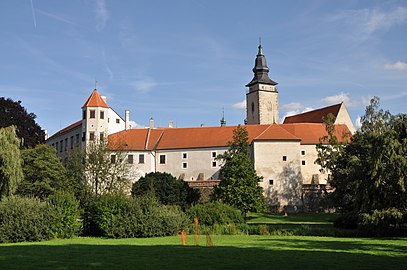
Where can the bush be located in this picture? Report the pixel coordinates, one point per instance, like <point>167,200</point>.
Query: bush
<point>381,222</point>
<point>67,222</point>
<point>168,189</point>
<point>215,213</point>
<point>117,216</point>
<point>347,221</point>
<point>25,219</point>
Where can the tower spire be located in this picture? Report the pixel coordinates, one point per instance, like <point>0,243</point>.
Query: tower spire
<point>261,69</point>
<point>223,121</point>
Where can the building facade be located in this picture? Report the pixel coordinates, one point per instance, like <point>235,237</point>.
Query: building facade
<point>283,154</point>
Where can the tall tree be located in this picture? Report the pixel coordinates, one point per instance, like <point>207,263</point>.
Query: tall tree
<point>11,173</point>
<point>239,186</point>
<point>167,188</point>
<point>371,171</point>
<point>13,113</point>
<point>106,170</point>
<point>44,173</point>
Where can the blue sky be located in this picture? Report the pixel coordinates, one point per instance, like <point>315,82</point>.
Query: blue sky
<point>185,60</point>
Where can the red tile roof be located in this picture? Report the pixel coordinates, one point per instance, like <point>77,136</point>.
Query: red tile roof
<point>203,137</point>
<point>310,133</point>
<point>95,100</point>
<point>68,128</point>
<point>313,116</point>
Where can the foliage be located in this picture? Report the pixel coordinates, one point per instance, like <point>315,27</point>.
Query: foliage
<point>66,222</point>
<point>12,113</point>
<point>239,184</point>
<point>76,180</point>
<point>43,171</point>
<point>371,172</point>
<point>381,222</point>
<point>118,216</point>
<point>11,172</point>
<point>168,189</point>
<point>104,173</point>
<point>25,219</point>
<point>215,213</point>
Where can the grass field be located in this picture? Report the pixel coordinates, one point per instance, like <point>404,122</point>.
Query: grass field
<point>228,252</point>
<point>303,218</point>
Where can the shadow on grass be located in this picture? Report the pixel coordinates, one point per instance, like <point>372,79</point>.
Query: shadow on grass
<point>273,253</point>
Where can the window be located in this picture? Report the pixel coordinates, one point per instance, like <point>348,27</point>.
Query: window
<point>303,152</point>
<point>56,146</point>
<point>284,158</point>
<point>214,164</point>
<point>117,121</point>
<point>113,159</point>
<point>130,159</point>
<point>84,114</point>
<point>303,162</point>
<point>71,142</point>
<point>162,159</point>
<point>61,146</point>
<point>141,159</point>
<point>184,165</point>
<point>252,106</point>
<point>271,182</point>
<point>77,138</point>
<point>83,136</point>
<point>214,154</point>
<point>101,136</point>
<point>102,115</point>
<point>91,136</point>
<point>184,155</point>
<point>92,114</point>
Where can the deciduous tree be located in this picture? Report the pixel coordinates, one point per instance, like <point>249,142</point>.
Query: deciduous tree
<point>239,186</point>
<point>13,113</point>
<point>11,173</point>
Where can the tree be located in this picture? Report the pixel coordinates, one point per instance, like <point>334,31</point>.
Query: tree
<point>370,172</point>
<point>44,173</point>
<point>11,172</point>
<point>167,189</point>
<point>12,113</point>
<point>239,182</point>
<point>106,171</point>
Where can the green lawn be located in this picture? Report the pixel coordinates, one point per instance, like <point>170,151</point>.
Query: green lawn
<point>229,252</point>
<point>303,218</point>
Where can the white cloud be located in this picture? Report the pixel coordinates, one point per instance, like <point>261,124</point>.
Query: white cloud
<point>240,105</point>
<point>133,124</point>
<point>358,122</point>
<point>335,99</point>
<point>101,13</point>
<point>144,85</point>
<point>363,23</point>
<point>399,66</point>
<point>293,106</point>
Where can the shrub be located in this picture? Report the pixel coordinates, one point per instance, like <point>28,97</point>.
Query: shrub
<point>117,216</point>
<point>67,222</point>
<point>381,222</point>
<point>347,221</point>
<point>215,213</point>
<point>25,219</point>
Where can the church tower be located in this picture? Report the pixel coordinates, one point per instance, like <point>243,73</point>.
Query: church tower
<point>262,98</point>
<point>94,119</point>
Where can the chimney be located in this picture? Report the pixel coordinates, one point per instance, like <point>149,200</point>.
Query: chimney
<point>171,124</point>
<point>151,123</point>
<point>104,98</point>
<point>126,120</point>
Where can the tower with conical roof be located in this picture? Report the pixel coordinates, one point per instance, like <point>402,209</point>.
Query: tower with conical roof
<point>94,118</point>
<point>262,98</point>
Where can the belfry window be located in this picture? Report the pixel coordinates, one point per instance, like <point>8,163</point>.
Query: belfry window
<point>252,106</point>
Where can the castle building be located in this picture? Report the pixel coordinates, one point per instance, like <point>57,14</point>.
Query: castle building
<point>283,154</point>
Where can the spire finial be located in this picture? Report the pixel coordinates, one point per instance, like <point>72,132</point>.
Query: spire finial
<point>223,121</point>
<point>96,83</point>
<point>260,48</point>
